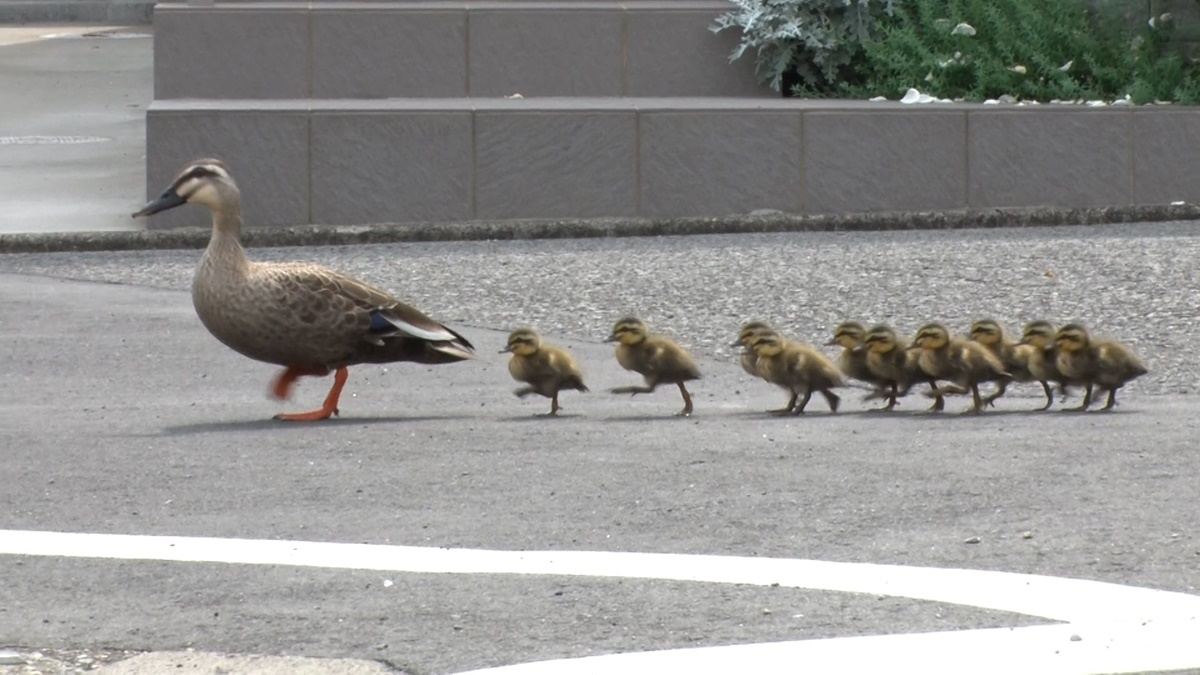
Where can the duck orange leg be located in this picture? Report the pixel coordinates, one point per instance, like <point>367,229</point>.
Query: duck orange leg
<point>283,387</point>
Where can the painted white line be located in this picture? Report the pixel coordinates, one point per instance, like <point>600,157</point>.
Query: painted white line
<point>1127,625</point>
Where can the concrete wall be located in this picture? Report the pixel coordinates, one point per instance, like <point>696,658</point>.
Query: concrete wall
<point>454,159</point>
<point>364,112</point>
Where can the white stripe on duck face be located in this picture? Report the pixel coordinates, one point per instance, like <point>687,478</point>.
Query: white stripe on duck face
<point>1108,627</point>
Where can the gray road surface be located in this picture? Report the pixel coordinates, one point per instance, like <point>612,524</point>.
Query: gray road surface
<point>120,414</point>
<point>72,127</point>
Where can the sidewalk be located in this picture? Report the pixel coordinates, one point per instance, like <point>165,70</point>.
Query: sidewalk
<point>72,126</point>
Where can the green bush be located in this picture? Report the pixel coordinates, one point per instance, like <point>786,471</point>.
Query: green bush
<point>1030,49</point>
<point>814,39</point>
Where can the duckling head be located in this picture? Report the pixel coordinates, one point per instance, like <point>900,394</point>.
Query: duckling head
<point>1071,338</point>
<point>986,332</point>
<point>1040,334</point>
<point>932,336</point>
<point>748,331</point>
<point>881,339</point>
<point>849,335</point>
<point>204,181</point>
<point>523,342</point>
<point>766,344</point>
<point>629,331</point>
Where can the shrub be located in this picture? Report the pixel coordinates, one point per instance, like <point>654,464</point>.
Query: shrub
<point>815,39</point>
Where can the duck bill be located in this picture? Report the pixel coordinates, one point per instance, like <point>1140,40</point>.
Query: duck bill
<point>832,342</point>
<point>167,200</point>
<point>506,350</point>
<point>611,338</point>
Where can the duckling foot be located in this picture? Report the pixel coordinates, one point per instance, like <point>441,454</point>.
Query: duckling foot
<point>328,409</point>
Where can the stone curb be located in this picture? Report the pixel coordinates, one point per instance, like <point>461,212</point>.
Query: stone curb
<point>338,235</point>
<point>76,11</point>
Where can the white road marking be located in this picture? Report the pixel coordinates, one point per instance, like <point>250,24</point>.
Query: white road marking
<point>1109,627</point>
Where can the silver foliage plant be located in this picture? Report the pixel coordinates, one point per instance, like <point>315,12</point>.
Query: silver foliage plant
<point>816,37</point>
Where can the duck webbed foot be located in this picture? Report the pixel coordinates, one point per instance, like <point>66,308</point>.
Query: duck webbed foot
<point>327,409</point>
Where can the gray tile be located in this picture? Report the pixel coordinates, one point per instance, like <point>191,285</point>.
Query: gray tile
<point>231,53</point>
<point>1066,158</point>
<point>672,53</point>
<point>267,154</point>
<point>545,53</point>
<point>884,161</point>
<point>391,167</point>
<point>550,165</point>
<point>716,163</point>
<point>1165,147</point>
<point>361,53</point>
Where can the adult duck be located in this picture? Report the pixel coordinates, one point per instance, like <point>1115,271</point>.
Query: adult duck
<point>305,317</point>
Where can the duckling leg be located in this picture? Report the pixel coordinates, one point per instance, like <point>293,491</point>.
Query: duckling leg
<point>687,401</point>
<point>1049,395</point>
<point>832,399</point>
<point>1087,400</point>
<point>1001,387</point>
<point>522,392</point>
<point>1112,399</point>
<point>892,396</point>
<point>328,408</point>
<point>554,405</point>
<point>939,401</point>
<point>978,400</point>
<point>791,405</point>
<point>803,401</point>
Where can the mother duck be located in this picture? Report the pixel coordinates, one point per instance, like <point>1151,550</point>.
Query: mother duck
<point>305,317</point>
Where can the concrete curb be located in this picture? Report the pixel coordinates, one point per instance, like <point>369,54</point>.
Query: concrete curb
<point>76,11</point>
<point>338,235</point>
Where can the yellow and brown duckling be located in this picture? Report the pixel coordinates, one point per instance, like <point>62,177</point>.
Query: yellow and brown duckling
<point>961,362</point>
<point>890,363</point>
<point>990,334</point>
<point>658,359</point>
<point>853,359</point>
<point>546,368</point>
<point>1037,352</point>
<point>1102,364</point>
<point>798,368</point>
<point>747,359</point>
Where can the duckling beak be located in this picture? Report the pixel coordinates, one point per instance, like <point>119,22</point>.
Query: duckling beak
<point>611,338</point>
<point>505,350</point>
<point>167,200</point>
<point>832,342</point>
<point>737,344</point>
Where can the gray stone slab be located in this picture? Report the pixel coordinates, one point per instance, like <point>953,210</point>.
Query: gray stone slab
<point>545,52</point>
<point>1165,144</point>
<point>268,154</point>
<point>856,161</point>
<point>389,53</point>
<point>1068,158</point>
<point>549,165</point>
<point>672,53</point>
<point>234,53</point>
<point>378,168</point>
<point>715,163</point>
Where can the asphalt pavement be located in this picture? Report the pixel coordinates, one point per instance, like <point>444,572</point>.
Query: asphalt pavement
<point>122,415</point>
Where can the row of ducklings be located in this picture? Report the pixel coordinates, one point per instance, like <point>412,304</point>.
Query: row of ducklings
<point>877,356</point>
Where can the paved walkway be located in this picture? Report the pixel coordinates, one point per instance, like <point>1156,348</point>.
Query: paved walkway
<point>72,126</point>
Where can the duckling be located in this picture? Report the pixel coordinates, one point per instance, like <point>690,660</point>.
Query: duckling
<point>747,359</point>
<point>1103,364</point>
<point>988,333</point>
<point>1037,352</point>
<point>547,368</point>
<point>890,363</point>
<point>853,360</point>
<point>657,358</point>
<point>305,317</point>
<point>797,367</point>
<point>962,362</point>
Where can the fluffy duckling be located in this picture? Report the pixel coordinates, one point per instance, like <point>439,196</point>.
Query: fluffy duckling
<point>988,333</point>
<point>853,359</point>
<point>546,368</point>
<point>1103,364</point>
<point>657,358</point>
<point>1036,351</point>
<point>890,363</point>
<point>797,367</point>
<point>962,362</point>
<point>305,317</point>
<point>747,359</point>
